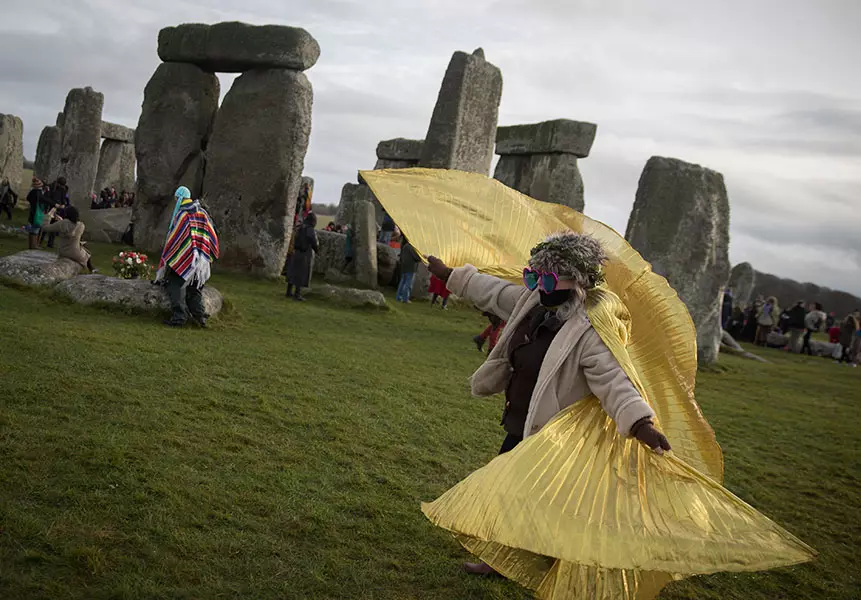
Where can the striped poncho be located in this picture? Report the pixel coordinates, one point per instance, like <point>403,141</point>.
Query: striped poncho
<point>191,245</point>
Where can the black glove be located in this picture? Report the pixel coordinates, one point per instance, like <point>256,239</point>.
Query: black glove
<point>645,431</point>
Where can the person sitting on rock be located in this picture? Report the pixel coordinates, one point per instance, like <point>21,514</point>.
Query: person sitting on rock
<point>70,230</point>
<point>189,249</point>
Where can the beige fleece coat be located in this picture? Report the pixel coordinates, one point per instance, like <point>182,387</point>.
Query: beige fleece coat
<point>576,365</point>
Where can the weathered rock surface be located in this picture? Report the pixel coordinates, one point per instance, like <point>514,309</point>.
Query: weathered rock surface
<point>680,223</point>
<point>400,149</point>
<point>351,297</point>
<point>345,206</point>
<point>742,280</point>
<point>549,177</point>
<point>120,133</point>
<point>82,138</point>
<point>48,152</point>
<point>235,47</point>
<point>255,166</point>
<point>365,239</point>
<point>37,268</point>
<point>133,294</point>
<point>105,225</point>
<point>331,257</point>
<point>175,125</point>
<point>387,163</point>
<point>463,126</point>
<point>116,166</point>
<point>12,151</point>
<point>548,137</point>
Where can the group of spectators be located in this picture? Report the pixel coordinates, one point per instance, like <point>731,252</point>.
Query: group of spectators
<point>109,198</point>
<point>764,316</point>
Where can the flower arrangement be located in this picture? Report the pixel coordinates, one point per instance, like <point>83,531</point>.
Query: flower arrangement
<point>132,265</point>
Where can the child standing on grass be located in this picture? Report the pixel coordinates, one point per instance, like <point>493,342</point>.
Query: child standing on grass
<point>438,290</point>
<point>490,333</point>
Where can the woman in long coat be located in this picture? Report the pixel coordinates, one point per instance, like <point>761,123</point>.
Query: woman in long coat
<point>302,261</point>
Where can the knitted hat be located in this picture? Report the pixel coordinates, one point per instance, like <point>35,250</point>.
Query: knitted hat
<point>570,255</point>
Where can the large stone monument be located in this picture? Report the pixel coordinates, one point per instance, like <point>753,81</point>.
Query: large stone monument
<point>463,126</point>
<point>12,151</point>
<point>82,136</point>
<point>246,160</point>
<point>365,238</point>
<point>742,280</point>
<point>540,160</point>
<point>179,107</point>
<point>680,223</point>
<point>116,158</point>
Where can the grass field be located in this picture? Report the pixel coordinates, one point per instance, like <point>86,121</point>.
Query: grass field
<point>283,453</point>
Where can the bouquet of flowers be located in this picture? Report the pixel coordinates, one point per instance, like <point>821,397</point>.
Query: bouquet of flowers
<point>132,265</point>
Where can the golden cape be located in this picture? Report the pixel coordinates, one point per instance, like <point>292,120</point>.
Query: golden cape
<point>578,511</point>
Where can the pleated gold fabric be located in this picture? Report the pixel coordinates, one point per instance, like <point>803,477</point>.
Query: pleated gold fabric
<point>577,511</point>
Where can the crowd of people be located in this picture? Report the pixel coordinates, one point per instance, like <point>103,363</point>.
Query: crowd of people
<point>797,325</point>
<point>109,198</point>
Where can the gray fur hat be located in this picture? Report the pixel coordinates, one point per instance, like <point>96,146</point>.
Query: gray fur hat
<point>570,255</point>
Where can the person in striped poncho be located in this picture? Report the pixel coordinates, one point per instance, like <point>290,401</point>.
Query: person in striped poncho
<point>189,249</point>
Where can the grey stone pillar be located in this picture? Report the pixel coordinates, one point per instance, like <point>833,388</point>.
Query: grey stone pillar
<point>463,126</point>
<point>256,157</point>
<point>540,160</point>
<point>48,152</point>
<point>680,223</point>
<point>742,280</point>
<point>82,137</point>
<point>398,153</point>
<point>179,106</point>
<point>116,166</point>
<point>365,238</point>
<point>12,151</point>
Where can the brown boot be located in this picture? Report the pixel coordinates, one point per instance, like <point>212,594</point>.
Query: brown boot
<point>33,241</point>
<point>481,568</point>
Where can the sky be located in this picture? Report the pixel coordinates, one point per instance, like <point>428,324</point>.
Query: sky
<point>766,92</point>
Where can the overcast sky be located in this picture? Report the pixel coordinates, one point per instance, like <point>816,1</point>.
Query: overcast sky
<point>768,92</point>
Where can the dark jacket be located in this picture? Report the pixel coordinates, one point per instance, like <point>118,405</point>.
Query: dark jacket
<point>36,197</point>
<point>302,260</point>
<point>409,259</point>
<point>796,317</point>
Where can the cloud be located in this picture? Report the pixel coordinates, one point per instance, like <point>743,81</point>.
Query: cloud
<point>760,91</point>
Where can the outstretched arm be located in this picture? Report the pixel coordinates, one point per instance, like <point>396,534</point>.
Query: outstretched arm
<point>488,293</point>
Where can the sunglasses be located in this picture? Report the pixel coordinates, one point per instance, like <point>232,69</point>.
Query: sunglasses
<point>546,281</point>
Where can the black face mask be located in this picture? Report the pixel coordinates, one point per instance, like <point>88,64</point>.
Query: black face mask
<point>555,298</point>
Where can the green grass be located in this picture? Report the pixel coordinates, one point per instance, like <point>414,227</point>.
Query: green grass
<point>284,452</point>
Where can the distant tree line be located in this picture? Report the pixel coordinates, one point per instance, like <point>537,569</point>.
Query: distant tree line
<point>324,209</point>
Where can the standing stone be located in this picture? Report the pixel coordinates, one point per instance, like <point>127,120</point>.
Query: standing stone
<point>463,126</point>
<point>48,152</point>
<point>12,151</point>
<point>174,128</point>
<point>742,280</point>
<point>540,160</point>
<point>116,166</point>
<point>82,137</point>
<point>235,47</point>
<point>345,206</point>
<point>256,157</point>
<point>680,223</point>
<point>365,238</point>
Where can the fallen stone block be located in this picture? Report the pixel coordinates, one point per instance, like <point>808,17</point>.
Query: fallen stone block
<point>351,297</point>
<point>134,294</point>
<point>37,268</point>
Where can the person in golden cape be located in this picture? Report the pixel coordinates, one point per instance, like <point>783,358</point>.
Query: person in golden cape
<point>586,500</point>
<point>549,355</point>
